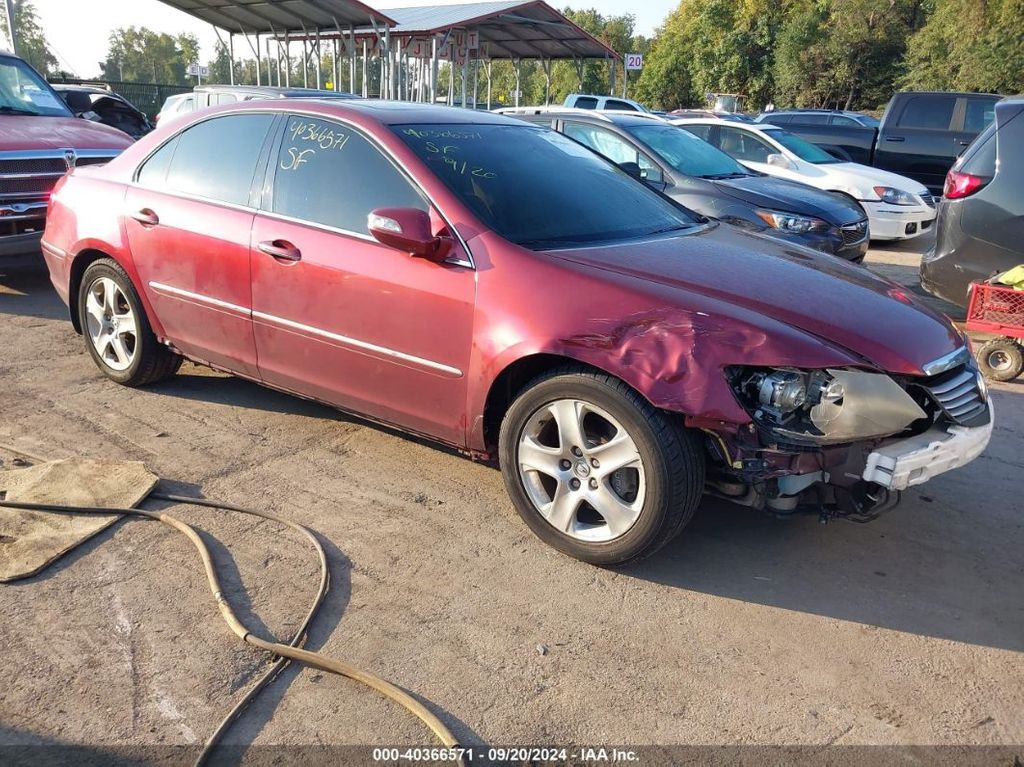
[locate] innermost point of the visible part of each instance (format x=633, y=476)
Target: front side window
x=803, y=149
x=805, y=118
x=687, y=153
x=604, y=142
x=329, y=174
x=623, y=106
x=24, y=92
x=586, y=102
x=744, y=145
x=540, y=189
x=217, y=158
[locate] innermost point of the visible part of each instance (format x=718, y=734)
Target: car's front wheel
x=116, y=329
x=595, y=470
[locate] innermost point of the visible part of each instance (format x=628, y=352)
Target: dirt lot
x=746, y=630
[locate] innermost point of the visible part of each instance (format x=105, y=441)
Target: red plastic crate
x=996, y=309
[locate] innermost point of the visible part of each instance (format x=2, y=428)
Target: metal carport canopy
x=511, y=29
x=264, y=17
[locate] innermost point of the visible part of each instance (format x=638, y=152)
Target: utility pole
x=10, y=26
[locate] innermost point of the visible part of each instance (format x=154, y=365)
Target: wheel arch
x=83, y=259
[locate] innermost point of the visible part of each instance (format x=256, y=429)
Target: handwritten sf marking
x=296, y=158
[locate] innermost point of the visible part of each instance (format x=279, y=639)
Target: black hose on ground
x=282, y=653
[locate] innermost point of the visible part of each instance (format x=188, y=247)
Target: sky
x=77, y=30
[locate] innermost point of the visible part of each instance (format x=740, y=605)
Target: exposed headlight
x=787, y=222
x=895, y=196
x=821, y=407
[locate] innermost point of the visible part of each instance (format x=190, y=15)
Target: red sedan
x=497, y=287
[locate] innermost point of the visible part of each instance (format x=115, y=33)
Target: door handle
x=895, y=139
x=965, y=143
x=282, y=250
x=146, y=217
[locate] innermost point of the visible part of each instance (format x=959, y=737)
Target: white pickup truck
x=584, y=101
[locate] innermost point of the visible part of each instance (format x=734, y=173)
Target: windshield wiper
x=667, y=229
x=7, y=110
x=723, y=176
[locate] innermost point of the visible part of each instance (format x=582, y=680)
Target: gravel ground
x=746, y=630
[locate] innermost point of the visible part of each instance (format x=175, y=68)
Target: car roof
x=384, y=112
x=274, y=91
x=604, y=116
x=82, y=88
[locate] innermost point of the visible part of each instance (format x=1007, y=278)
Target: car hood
x=792, y=197
x=841, y=304
x=864, y=179
x=25, y=133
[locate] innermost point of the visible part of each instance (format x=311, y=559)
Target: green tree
x=968, y=45
x=29, y=38
x=140, y=55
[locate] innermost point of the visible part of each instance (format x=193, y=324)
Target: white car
x=898, y=208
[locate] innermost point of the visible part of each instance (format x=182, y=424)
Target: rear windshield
x=539, y=189
x=980, y=158
x=687, y=153
x=803, y=149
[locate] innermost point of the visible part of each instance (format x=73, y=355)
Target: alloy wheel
x=582, y=470
x=112, y=326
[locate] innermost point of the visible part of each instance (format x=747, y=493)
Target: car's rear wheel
x=1001, y=359
x=595, y=470
x=116, y=329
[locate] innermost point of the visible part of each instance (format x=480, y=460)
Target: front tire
x=596, y=471
x=116, y=330
x=1001, y=359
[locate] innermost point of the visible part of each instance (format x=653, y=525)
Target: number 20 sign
x=634, y=61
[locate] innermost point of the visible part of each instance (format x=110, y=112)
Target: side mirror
x=779, y=161
x=633, y=169
x=408, y=230
x=653, y=176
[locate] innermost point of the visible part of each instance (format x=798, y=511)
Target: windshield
x=805, y=150
x=539, y=189
x=23, y=92
x=686, y=153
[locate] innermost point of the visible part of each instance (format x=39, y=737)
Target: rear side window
x=153, y=172
x=980, y=159
x=978, y=115
x=928, y=112
x=621, y=105
x=217, y=158
x=226, y=98
x=328, y=174
x=703, y=132
x=586, y=103
x=845, y=122
x=775, y=119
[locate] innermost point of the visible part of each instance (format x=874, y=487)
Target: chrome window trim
x=192, y=197
x=947, y=362
x=417, y=184
x=170, y=290
x=355, y=343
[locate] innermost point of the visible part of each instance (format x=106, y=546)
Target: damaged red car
x=495, y=286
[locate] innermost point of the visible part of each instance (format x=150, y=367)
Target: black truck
x=921, y=134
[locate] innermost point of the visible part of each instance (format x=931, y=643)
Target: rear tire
x=596, y=471
x=1001, y=359
x=116, y=330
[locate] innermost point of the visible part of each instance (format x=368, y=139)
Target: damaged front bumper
x=918, y=459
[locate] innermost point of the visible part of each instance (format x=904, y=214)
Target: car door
x=188, y=219
x=342, y=318
x=753, y=151
x=917, y=141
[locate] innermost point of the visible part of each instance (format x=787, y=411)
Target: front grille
x=30, y=185
x=854, y=233
x=25, y=178
x=957, y=393
x=33, y=165
x=928, y=199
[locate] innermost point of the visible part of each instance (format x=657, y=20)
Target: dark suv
x=710, y=182
x=818, y=117
x=980, y=228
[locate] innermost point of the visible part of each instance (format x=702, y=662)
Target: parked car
x=39, y=140
x=203, y=96
x=613, y=103
x=898, y=208
x=920, y=136
x=839, y=117
x=431, y=269
x=981, y=217
x=711, y=183
x=108, y=108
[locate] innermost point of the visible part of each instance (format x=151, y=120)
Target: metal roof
x=278, y=16
x=511, y=29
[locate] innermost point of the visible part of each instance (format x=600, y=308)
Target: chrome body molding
x=948, y=362
x=281, y=322
x=53, y=250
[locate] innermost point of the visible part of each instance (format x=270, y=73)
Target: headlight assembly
x=788, y=222
x=894, y=196
x=821, y=407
